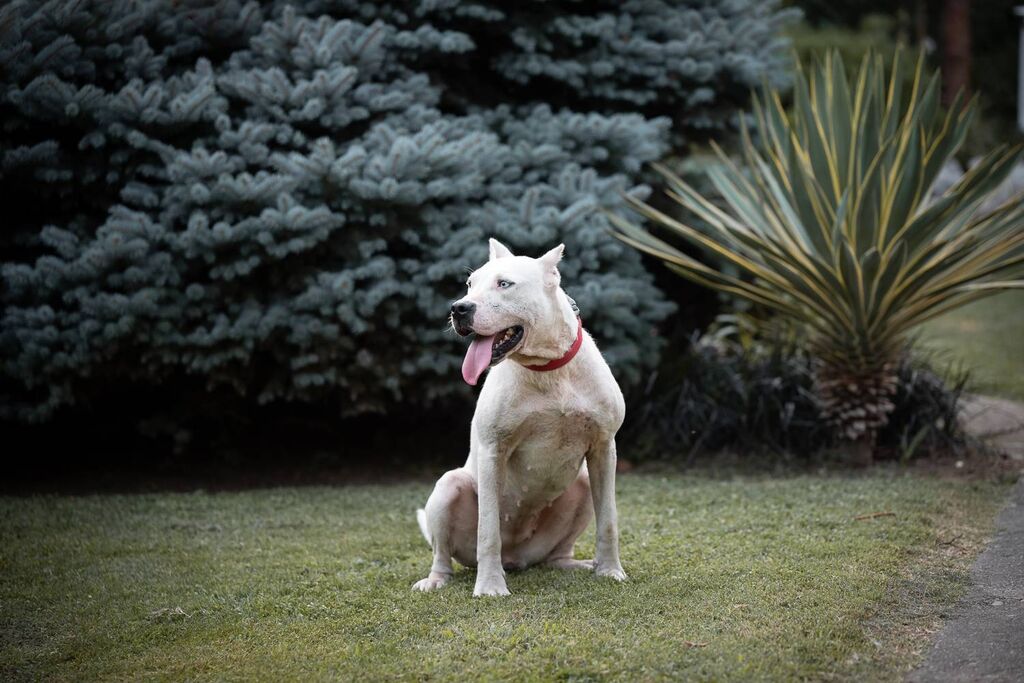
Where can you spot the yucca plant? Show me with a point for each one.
(830, 221)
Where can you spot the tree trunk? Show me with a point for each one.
(920, 20)
(859, 453)
(956, 48)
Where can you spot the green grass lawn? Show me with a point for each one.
(744, 578)
(988, 337)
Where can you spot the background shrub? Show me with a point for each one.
(728, 393)
(276, 203)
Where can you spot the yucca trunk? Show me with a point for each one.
(857, 402)
(855, 382)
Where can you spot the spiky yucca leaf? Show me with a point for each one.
(829, 222)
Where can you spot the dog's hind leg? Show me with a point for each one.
(579, 510)
(560, 524)
(449, 522)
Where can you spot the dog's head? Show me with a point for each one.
(508, 296)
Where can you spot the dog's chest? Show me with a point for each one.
(565, 433)
(551, 445)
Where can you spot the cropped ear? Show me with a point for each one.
(498, 250)
(549, 262)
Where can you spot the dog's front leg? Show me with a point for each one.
(601, 467)
(490, 575)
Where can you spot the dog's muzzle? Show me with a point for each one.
(462, 317)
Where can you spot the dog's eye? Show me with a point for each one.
(504, 284)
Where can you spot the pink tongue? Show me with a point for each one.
(478, 357)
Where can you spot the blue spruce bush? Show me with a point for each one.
(281, 200)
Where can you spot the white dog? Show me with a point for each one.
(542, 422)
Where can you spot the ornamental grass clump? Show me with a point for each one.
(829, 221)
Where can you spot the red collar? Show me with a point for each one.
(569, 355)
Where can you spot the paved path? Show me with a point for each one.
(984, 640)
(996, 421)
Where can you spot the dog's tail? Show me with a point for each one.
(421, 519)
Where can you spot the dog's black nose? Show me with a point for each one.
(463, 310)
(462, 317)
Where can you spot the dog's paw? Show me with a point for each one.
(431, 583)
(485, 588)
(613, 572)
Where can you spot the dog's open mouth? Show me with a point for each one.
(505, 341)
(488, 350)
